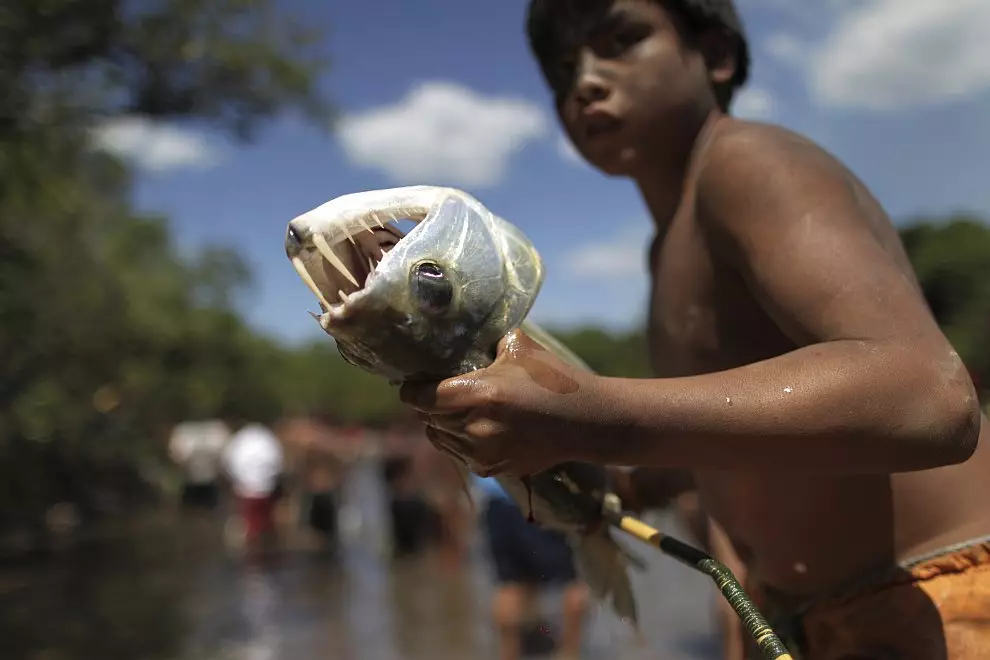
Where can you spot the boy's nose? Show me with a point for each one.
(591, 88)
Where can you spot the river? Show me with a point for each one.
(163, 587)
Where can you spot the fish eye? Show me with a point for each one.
(431, 287)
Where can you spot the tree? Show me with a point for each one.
(234, 63)
(108, 334)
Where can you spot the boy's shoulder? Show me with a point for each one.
(751, 168)
(742, 149)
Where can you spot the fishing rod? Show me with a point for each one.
(756, 625)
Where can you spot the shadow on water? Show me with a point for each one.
(164, 588)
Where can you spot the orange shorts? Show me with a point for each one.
(937, 608)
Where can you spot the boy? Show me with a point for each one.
(833, 432)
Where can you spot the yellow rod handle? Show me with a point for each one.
(756, 625)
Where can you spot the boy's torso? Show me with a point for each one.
(800, 533)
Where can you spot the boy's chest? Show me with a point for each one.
(702, 318)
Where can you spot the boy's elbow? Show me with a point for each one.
(953, 430)
(962, 423)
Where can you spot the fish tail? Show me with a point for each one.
(604, 565)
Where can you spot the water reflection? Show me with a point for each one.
(165, 588)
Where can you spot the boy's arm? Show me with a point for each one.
(874, 387)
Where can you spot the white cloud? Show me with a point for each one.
(753, 103)
(155, 146)
(888, 54)
(786, 47)
(443, 132)
(622, 257)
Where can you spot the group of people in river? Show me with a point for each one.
(286, 487)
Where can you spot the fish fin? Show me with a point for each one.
(465, 488)
(604, 566)
(633, 559)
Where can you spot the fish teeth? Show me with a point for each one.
(321, 244)
(322, 319)
(307, 278)
(343, 296)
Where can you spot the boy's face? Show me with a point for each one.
(626, 83)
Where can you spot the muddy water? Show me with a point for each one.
(165, 588)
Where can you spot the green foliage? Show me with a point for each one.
(108, 335)
(610, 354)
(235, 63)
(952, 259)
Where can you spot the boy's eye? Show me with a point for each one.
(621, 39)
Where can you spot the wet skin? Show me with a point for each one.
(830, 426)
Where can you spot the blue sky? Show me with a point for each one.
(443, 92)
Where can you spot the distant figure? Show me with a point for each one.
(196, 448)
(415, 523)
(319, 459)
(527, 557)
(253, 461)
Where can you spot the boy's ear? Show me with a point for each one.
(720, 56)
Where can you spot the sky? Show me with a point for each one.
(443, 92)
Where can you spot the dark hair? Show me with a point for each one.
(551, 23)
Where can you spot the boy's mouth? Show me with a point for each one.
(596, 123)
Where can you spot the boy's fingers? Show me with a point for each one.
(438, 398)
(450, 444)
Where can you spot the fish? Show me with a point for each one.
(433, 303)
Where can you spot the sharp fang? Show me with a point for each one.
(365, 225)
(315, 315)
(371, 266)
(308, 280)
(321, 244)
(351, 239)
(342, 295)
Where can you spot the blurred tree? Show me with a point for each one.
(235, 63)
(610, 354)
(108, 335)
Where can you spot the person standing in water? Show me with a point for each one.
(318, 461)
(196, 446)
(253, 463)
(525, 559)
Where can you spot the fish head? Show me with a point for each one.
(429, 303)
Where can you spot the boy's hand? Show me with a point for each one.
(523, 414)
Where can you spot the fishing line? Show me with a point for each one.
(756, 625)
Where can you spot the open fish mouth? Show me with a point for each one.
(338, 274)
(337, 248)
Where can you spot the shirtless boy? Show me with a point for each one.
(833, 431)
